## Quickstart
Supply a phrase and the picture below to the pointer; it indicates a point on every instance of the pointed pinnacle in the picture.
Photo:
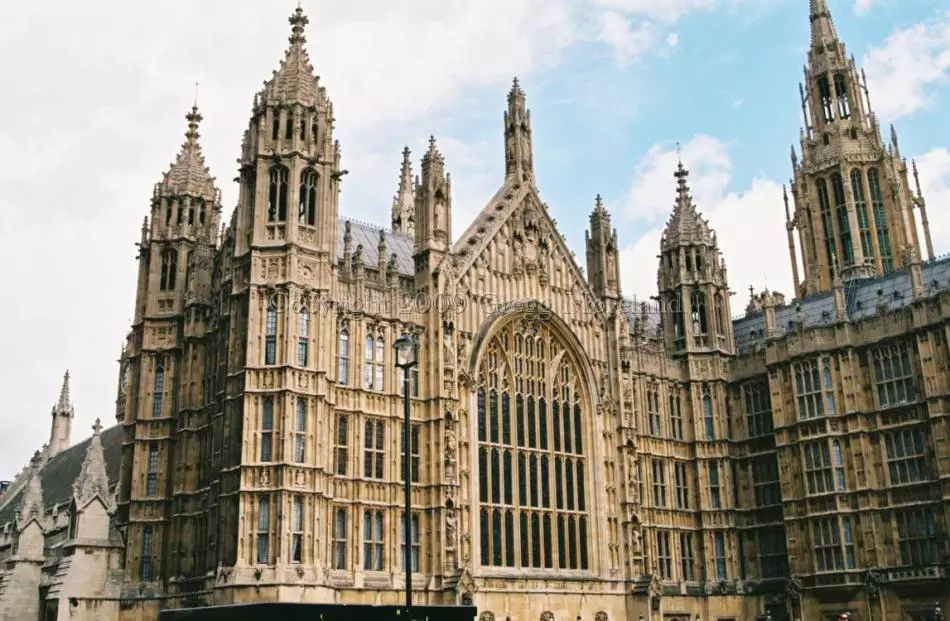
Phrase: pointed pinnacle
(822, 27)
(62, 405)
(298, 21)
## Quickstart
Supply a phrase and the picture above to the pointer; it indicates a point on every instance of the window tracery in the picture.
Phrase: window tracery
(531, 454)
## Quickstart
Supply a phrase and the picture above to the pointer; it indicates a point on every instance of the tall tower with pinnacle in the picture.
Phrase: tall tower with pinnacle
(519, 159)
(603, 264)
(853, 204)
(693, 285)
(403, 218)
(433, 213)
(63, 414)
(178, 239)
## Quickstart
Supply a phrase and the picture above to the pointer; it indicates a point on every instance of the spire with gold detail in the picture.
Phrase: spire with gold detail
(403, 202)
(519, 157)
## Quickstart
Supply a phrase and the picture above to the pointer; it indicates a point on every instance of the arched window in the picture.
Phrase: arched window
(828, 223)
(308, 197)
(277, 195)
(824, 92)
(343, 358)
(270, 335)
(844, 225)
(699, 317)
(841, 94)
(289, 130)
(275, 129)
(837, 460)
(679, 321)
(861, 207)
(720, 316)
(201, 211)
(169, 270)
(880, 220)
(303, 336)
(531, 453)
(708, 419)
(169, 208)
(158, 393)
(373, 363)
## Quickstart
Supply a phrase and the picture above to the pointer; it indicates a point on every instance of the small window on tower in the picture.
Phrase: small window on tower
(289, 132)
(824, 92)
(275, 132)
(841, 94)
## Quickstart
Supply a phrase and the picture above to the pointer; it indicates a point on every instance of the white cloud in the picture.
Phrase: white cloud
(934, 169)
(902, 71)
(98, 117)
(862, 7)
(629, 43)
(750, 223)
(668, 10)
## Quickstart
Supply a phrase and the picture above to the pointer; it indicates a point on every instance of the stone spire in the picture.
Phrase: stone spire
(686, 226)
(93, 480)
(31, 503)
(404, 201)
(519, 157)
(61, 426)
(823, 30)
(188, 175)
(295, 81)
(603, 262)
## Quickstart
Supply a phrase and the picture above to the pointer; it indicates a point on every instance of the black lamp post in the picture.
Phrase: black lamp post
(406, 350)
(938, 614)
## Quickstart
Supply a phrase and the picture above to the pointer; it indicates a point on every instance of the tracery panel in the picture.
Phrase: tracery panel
(531, 453)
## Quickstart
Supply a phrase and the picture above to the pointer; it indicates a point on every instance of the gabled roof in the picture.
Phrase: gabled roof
(62, 470)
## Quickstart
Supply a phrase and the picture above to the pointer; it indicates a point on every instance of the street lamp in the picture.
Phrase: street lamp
(938, 614)
(406, 350)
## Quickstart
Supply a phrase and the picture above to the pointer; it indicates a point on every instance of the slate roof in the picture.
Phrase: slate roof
(367, 235)
(62, 470)
(863, 299)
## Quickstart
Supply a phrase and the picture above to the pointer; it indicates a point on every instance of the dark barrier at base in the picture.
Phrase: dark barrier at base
(287, 611)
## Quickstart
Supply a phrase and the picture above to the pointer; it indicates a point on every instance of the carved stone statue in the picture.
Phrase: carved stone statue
(451, 528)
(447, 347)
(439, 216)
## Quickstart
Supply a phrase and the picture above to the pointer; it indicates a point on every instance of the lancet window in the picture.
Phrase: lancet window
(531, 453)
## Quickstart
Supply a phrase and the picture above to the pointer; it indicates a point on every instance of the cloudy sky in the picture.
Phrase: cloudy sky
(96, 92)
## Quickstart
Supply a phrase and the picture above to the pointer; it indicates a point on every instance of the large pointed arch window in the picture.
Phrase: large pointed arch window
(277, 194)
(861, 207)
(169, 270)
(844, 226)
(828, 223)
(308, 197)
(531, 453)
(880, 220)
(699, 318)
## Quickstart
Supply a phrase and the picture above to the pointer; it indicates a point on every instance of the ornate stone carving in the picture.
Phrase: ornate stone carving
(600, 616)
(547, 615)
(451, 449)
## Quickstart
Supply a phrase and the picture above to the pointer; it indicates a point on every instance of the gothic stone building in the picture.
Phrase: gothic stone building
(572, 455)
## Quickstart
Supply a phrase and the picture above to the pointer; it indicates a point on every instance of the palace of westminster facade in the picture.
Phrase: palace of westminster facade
(572, 455)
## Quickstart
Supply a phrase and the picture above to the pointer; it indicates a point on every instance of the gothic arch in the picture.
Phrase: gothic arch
(502, 318)
(535, 447)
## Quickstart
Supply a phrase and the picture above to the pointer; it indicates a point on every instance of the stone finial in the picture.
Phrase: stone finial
(93, 480)
(31, 503)
(64, 404)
